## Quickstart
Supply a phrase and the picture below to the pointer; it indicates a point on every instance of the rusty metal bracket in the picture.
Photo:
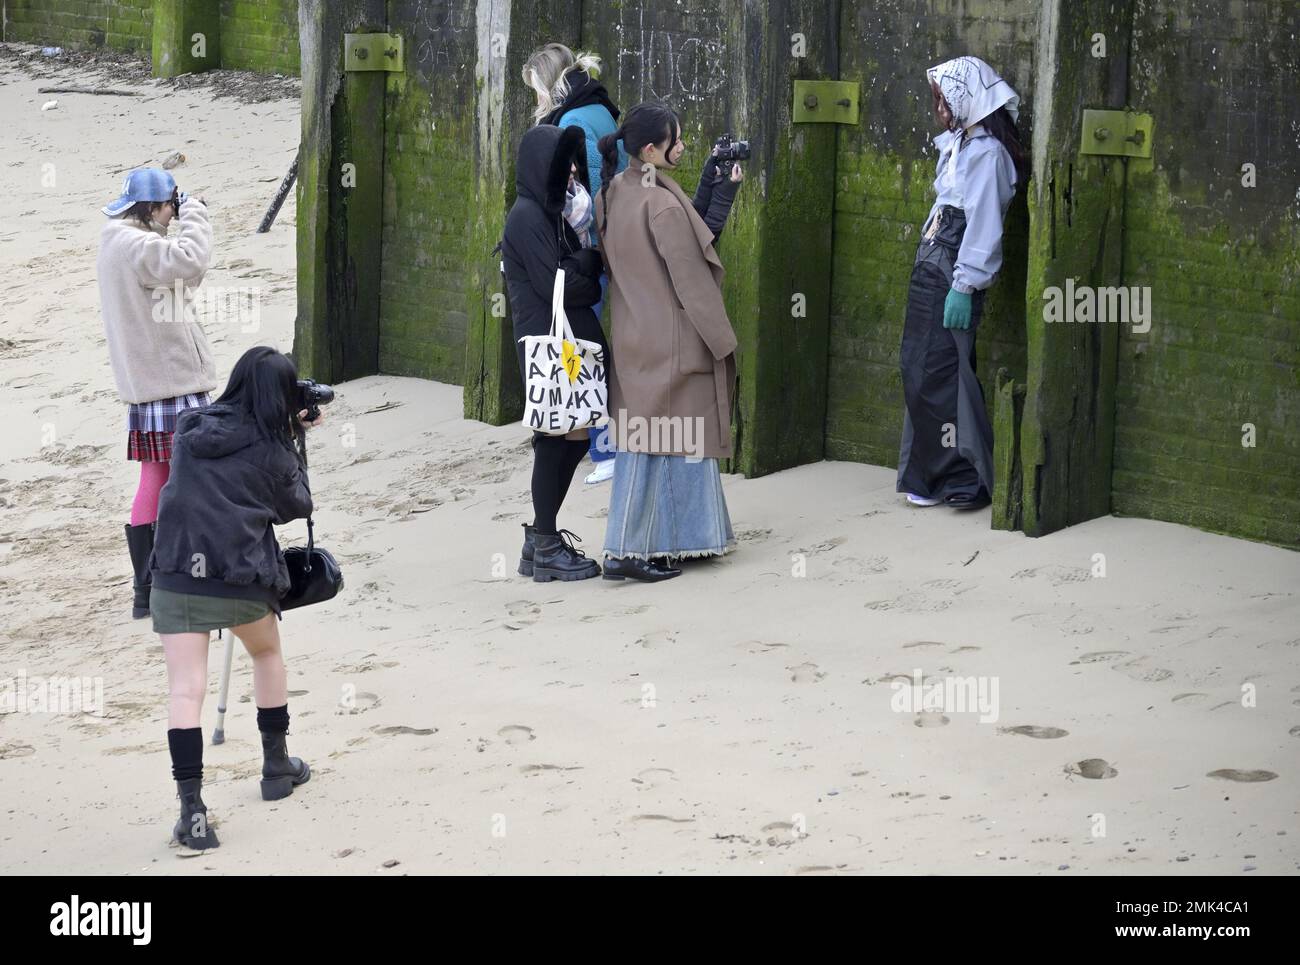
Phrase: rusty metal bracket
(1118, 133)
(825, 102)
(373, 52)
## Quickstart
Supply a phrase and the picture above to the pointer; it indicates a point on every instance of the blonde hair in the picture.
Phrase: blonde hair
(545, 71)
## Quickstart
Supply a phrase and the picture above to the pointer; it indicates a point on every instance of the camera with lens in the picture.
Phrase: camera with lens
(313, 395)
(730, 151)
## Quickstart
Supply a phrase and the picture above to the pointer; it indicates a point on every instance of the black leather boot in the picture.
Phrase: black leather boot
(526, 554)
(556, 558)
(192, 830)
(139, 543)
(631, 568)
(280, 772)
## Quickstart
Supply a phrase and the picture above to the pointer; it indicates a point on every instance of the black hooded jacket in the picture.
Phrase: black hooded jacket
(229, 485)
(537, 240)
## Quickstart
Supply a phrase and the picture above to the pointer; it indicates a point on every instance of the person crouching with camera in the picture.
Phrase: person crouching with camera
(238, 469)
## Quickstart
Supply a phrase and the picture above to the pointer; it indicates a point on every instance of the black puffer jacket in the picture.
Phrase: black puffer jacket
(229, 485)
(537, 239)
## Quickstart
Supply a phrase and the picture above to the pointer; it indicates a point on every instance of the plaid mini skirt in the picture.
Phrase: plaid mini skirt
(149, 426)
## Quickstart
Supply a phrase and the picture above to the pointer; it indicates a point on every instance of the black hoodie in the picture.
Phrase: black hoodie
(537, 240)
(229, 484)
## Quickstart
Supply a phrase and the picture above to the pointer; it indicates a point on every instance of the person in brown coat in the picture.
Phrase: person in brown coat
(674, 369)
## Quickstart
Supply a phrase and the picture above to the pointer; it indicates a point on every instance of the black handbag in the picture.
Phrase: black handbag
(314, 574)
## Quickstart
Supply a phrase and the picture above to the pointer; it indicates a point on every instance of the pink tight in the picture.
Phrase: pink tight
(144, 508)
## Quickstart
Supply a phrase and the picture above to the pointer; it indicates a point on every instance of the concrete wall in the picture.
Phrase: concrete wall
(125, 25)
(1222, 261)
(259, 35)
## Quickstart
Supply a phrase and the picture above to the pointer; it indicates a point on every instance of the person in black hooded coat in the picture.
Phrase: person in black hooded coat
(537, 241)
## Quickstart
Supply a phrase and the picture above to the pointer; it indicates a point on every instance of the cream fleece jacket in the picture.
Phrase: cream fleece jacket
(157, 348)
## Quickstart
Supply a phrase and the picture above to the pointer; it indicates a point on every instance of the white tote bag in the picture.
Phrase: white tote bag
(565, 378)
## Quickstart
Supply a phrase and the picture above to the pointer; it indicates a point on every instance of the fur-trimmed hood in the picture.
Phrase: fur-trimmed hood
(542, 168)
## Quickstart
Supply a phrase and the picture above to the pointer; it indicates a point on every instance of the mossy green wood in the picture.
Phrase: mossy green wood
(186, 36)
(334, 228)
(1075, 219)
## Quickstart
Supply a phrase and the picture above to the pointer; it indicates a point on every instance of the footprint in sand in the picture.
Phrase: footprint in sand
(1033, 730)
(930, 718)
(358, 703)
(1100, 656)
(1135, 670)
(805, 673)
(606, 614)
(516, 734)
(1093, 768)
(654, 777)
(403, 729)
(522, 613)
(1247, 777)
(657, 639)
(16, 750)
(1295, 731)
(540, 768)
(761, 646)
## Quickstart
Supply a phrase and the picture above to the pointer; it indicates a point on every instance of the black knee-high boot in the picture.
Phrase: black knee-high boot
(280, 772)
(192, 828)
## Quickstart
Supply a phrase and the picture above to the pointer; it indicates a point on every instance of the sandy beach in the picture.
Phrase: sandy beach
(754, 716)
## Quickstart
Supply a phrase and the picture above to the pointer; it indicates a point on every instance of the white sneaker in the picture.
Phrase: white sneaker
(916, 500)
(603, 473)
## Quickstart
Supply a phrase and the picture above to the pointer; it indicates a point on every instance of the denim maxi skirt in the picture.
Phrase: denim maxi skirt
(666, 506)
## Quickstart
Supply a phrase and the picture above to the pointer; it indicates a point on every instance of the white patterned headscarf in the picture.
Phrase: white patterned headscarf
(973, 90)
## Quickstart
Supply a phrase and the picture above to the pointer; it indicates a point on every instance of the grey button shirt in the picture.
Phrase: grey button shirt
(982, 185)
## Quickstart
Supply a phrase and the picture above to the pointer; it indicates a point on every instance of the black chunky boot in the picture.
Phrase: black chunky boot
(193, 830)
(631, 568)
(526, 554)
(555, 558)
(139, 543)
(280, 772)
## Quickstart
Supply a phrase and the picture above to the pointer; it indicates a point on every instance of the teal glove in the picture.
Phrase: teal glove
(956, 310)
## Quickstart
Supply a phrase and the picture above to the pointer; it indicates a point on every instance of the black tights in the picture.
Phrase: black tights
(555, 459)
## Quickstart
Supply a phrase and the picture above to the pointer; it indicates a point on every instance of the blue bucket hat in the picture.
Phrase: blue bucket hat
(143, 184)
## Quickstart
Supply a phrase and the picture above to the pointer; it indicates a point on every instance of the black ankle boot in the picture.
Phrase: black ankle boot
(193, 830)
(526, 554)
(556, 558)
(139, 543)
(631, 568)
(280, 772)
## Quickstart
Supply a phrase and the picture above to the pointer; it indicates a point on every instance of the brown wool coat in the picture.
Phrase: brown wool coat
(672, 344)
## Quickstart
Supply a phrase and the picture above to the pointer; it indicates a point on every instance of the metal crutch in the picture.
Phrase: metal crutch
(219, 735)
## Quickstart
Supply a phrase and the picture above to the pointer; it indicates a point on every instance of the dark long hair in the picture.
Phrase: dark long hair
(1000, 124)
(644, 124)
(1003, 127)
(263, 386)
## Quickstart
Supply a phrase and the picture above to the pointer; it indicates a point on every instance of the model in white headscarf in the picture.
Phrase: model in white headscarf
(973, 90)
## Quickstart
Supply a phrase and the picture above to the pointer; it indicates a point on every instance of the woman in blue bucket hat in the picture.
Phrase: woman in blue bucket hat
(160, 356)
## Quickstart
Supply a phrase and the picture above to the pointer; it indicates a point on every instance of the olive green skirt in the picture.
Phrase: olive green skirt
(193, 613)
